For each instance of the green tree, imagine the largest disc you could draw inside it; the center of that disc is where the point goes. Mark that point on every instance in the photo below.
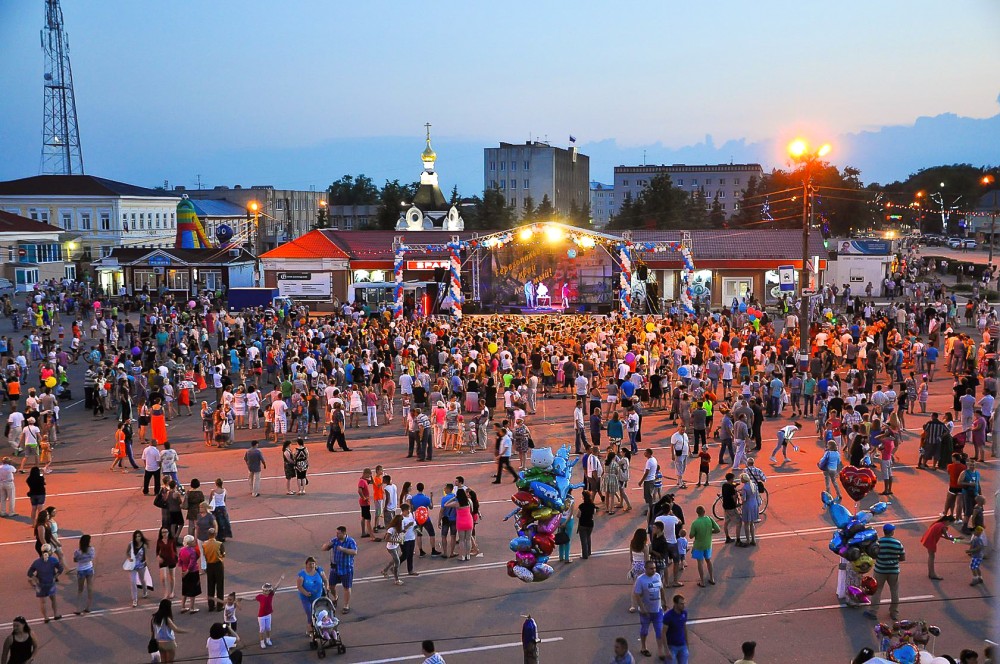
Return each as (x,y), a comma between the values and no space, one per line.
(579,216)
(716,216)
(391,201)
(528,211)
(455,197)
(659,206)
(749,207)
(546,211)
(350,190)
(491,212)
(322,218)
(696,211)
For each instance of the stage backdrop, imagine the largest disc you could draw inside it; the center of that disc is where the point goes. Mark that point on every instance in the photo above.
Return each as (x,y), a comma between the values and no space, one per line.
(590,273)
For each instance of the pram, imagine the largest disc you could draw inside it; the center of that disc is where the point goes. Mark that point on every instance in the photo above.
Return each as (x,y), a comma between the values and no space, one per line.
(324,627)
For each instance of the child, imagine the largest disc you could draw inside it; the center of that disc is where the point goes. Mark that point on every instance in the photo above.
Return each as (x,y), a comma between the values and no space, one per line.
(682,547)
(657,484)
(704,465)
(976,550)
(327,624)
(379,497)
(45,455)
(265,601)
(229,610)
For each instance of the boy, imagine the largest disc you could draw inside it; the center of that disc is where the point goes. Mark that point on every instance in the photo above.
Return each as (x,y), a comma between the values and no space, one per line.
(682,547)
(391,493)
(265,600)
(976,550)
(704,464)
(378,497)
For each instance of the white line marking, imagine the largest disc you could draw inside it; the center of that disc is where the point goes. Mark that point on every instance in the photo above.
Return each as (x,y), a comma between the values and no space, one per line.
(407,658)
(783,612)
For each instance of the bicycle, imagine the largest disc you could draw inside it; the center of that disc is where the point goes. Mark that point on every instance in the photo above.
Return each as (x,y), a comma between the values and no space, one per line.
(721,513)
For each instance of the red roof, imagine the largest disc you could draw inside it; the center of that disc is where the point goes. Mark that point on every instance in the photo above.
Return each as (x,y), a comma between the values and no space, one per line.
(14,223)
(313,244)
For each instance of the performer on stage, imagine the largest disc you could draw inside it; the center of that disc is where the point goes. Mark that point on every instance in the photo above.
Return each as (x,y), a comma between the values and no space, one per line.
(565,295)
(542,293)
(529,294)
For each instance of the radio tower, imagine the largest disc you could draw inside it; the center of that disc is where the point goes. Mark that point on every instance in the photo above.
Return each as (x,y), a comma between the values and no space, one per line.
(61,153)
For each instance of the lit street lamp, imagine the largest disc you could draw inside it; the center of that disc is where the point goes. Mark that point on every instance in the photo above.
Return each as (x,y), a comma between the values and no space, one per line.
(986,182)
(801,154)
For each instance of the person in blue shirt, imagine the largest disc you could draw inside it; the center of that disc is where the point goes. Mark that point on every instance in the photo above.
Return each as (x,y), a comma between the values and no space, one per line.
(416,502)
(675,625)
(342,565)
(447,522)
(930,357)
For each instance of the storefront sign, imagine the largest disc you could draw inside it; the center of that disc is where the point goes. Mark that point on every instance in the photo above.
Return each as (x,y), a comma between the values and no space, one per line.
(786,277)
(159,260)
(294,276)
(427,265)
(316,285)
(864,247)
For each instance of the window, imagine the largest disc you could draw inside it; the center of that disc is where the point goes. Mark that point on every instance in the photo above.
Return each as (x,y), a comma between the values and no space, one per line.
(694,182)
(87,253)
(105,221)
(722,180)
(493,165)
(723,206)
(503,165)
(503,184)
(173,222)
(680,183)
(513,183)
(106,250)
(513,166)
(708,180)
(721,194)
(525,185)
(85,221)
(67,220)
(177,279)
(279,204)
(493,184)
(513,202)
(527,165)
(70,272)
(736,180)
(736,206)
(348,223)
(625,182)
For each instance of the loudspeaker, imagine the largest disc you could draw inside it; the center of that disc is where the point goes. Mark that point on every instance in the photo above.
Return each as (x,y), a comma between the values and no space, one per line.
(642,272)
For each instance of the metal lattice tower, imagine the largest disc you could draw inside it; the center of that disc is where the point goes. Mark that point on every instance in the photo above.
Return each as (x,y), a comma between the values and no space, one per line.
(61,153)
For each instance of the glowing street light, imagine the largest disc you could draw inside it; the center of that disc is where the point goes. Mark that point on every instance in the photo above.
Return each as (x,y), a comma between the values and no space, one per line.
(525,234)
(554,234)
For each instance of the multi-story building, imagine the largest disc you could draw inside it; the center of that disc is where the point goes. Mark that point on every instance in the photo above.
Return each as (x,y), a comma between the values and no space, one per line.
(32,251)
(723,181)
(352,217)
(283,214)
(537,169)
(602,200)
(103,213)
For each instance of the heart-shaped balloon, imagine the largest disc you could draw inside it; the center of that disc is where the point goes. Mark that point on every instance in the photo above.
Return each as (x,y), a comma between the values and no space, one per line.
(869,585)
(511,564)
(857,481)
(524,499)
(544,543)
(525,559)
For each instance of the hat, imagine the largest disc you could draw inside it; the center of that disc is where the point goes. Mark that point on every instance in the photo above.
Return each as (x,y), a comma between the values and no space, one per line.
(888,528)
(267,587)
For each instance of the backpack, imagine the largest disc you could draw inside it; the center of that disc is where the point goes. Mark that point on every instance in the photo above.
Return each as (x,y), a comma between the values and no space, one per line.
(301,461)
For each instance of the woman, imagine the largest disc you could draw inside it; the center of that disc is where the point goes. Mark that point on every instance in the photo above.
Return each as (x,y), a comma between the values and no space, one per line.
(451,429)
(933,535)
(166,558)
(438,418)
(84,559)
(969,481)
(217,502)
(615,430)
(188,560)
(44,575)
(144,421)
(158,423)
(222,640)
(43,531)
(36,490)
(135,557)
(253,407)
(219,433)
(585,514)
(638,552)
(751,510)
(288,457)
(301,465)
(163,629)
(20,646)
(522,442)
(312,583)
(564,534)
(611,480)
(240,408)
(207,423)
(393,544)
(463,522)
(830,465)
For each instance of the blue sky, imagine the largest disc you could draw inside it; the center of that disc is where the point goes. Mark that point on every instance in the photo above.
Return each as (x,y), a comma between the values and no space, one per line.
(300,92)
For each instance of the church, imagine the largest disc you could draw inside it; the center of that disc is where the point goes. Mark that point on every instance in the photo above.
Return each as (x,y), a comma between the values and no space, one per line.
(430,210)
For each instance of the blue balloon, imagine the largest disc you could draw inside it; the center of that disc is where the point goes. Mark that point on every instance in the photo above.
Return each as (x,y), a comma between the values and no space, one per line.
(827,498)
(520,543)
(836,542)
(743,307)
(224,233)
(683,372)
(541,560)
(904,654)
(547,495)
(864,516)
(878,508)
(752,318)
(840,514)
(863,537)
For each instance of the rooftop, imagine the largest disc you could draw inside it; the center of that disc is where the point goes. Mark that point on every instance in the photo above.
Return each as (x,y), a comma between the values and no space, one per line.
(217,208)
(127,255)
(76,185)
(314,244)
(15,223)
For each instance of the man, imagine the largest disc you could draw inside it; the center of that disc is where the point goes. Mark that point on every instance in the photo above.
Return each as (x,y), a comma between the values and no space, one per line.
(215,572)
(593,468)
(699,423)
(649,595)
(647,482)
(726,435)
(127,433)
(579,425)
(412,433)
(671,525)
(338,422)
(749,649)
(342,565)
(409,538)
(622,655)
(279,408)
(365,503)
(31,437)
(7,492)
(504,448)
(701,533)
(934,431)
(151,470)
(447,522)
(679,450)
(529,294)
(416,502)
(425,448)
(731,505)
(756,423)
(784,438)
(675,625)
(890,554)
(254,459)
(432,657)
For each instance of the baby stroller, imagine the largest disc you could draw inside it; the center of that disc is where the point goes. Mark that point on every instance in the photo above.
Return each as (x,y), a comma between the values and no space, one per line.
(324,627)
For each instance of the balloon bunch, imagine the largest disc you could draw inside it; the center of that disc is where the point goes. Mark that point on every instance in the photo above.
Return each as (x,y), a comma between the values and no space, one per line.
(857,543)
(543,505)
(906,641)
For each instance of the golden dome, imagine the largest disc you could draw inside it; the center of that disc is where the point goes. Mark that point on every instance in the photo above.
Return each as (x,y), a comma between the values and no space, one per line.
(428,154)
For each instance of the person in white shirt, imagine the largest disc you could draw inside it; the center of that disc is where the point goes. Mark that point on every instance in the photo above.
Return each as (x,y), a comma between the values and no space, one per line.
(648,482)
(7,491)
(391,498)
(784,438)
(679,445)
(16,423)
(151,459)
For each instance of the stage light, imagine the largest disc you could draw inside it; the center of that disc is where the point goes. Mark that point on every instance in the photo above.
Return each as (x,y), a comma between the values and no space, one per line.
(525,235)
(554,234)
(587,242)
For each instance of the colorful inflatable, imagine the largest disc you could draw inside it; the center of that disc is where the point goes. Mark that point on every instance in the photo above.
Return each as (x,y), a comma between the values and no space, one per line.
(190,233)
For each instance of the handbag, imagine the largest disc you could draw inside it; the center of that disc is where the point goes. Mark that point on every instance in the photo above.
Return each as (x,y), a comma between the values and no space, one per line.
(236,656)
(160,500)
(561,538)
(225,428)
(129,564)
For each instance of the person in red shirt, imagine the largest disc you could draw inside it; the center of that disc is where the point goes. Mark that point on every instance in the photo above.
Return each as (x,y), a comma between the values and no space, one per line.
(704,465)
(265,602)
(952,506)
(937,530)
(364,501)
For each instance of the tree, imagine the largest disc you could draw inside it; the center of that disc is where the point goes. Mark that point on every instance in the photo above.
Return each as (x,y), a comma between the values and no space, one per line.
(528,211)
(491,212)
(545,211)
(749,207)
(659,206)
(322,219)
(391,200)
(716,217)
(455,198)
(579,216)
(350,190)
(696,210)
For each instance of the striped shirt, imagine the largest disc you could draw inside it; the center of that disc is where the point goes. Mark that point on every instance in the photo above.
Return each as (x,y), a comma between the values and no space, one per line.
(890,550)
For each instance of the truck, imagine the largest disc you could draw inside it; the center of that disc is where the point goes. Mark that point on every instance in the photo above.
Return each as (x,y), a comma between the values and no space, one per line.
(248,298)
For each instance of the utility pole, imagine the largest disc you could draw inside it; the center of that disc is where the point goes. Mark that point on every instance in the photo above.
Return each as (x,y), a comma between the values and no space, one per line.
(61,153)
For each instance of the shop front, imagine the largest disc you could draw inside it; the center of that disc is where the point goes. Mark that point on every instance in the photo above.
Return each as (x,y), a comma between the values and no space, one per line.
(183,273)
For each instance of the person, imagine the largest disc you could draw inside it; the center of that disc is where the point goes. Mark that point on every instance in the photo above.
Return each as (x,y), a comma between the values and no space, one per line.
(890,554)
(393,544)
(20,645)
(151,468)
(325,624)
(365,503)
(409,537)
(585,518)
(84,559)
(188,559)
(976,552)
(785,435)
(638,551)
(650,596)
(43,574)
(120,451)
(214,553)
(730,505)
(830,464)
(265,609)
(345,550)
(504,450)
(135,555)
(969,481)
(192,503)
(8,493)
(750,512)
(166,558)
(217,503)
(934,534)
(164,630)
(301,461)
(312,583)
(675,626)
(430,656)
(647,482)
(749,649)
(221,642)
(701,531)
(463,522)
(423,500)
(622,655)
(36,491)
(679,451)
(255,462)
(704,465)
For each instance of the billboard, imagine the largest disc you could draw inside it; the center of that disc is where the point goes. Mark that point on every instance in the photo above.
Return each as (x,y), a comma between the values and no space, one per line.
(304,284)
(864,247)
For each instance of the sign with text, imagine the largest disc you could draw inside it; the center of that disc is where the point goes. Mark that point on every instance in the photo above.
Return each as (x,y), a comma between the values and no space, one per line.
(159,260)
(314,285)
(428,264)
(294,276)
(864,247)
(786,277)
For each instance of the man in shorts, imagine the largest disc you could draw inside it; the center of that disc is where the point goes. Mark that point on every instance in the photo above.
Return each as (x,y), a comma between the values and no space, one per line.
(344,550)
(649,595)
(365,502)
(416,502)
(447,522)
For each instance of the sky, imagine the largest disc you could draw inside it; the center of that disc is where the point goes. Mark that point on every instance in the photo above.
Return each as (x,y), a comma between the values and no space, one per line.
(300,92)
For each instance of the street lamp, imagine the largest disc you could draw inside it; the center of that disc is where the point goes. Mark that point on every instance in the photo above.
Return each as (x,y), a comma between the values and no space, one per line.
(987,181)
(254,208)
(809,159)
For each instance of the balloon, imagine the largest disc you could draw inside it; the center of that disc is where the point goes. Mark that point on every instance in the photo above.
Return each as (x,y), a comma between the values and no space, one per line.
(863,565)
(549,525)
(192,304)
(544,543)
(862,537)
(855,593)
(905,653)
(857,481)
(50,381)
(523,574)
(629,358)
(871,548)
(136,351)
(841,515)
(525,558)
(650,327)
(524,499)
(541,571)
(827,498)
(543,513)
(682,372)
(520,543)
(492,348)
(869,585)
(421,515)
(542,457)
(864,516)
(753,318)
(541,559)
(743,307)
(547,495)
(879,508)
(934,630)
(853,553)
(511,564)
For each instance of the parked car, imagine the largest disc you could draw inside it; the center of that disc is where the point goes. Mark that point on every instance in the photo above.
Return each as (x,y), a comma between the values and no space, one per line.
(969,243)
(955,242)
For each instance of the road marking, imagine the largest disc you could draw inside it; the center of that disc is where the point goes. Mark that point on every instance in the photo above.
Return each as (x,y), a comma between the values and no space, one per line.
(499,646)
(783,612)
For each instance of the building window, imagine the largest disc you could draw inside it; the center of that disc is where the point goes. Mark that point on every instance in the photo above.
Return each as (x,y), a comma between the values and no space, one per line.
(722,180)
(513,166)
(503,183)
(513,183)
(70,272)
(527,165)
(694,183)
(177,279)
(723,206)
(348,223)
(493,165)
(736,206)
(67,221)
(722,194)
(736,180)
(173,222)
(279,204)
(503,165)
(708,181)
(513,202)
(680,183)
(106,250)
(105,221)
(625,182)
(493,184)
(85,221)
(525,184)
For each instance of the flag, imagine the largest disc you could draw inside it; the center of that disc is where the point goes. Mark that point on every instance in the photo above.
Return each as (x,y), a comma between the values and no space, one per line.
(572,138)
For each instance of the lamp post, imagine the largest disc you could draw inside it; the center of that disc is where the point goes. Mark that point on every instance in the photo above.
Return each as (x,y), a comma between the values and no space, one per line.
(800,153)
(986,182)
(254,208)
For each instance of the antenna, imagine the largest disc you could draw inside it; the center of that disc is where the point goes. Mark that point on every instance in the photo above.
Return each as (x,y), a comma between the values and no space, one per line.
(61,153)
(199,181)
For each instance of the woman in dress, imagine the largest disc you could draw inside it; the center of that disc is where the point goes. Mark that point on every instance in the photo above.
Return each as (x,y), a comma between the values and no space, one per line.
(166,558)
(463,522)
(217,501)
(521,437)
(610,481)
(188,560)
(240,408)
(288,459)
(207,422)
(438,420)
(393,544)
(751,510)
(136,553)
(20,645)
(638,552)
(43,531)
(84,559)
(452,439)
(158,423)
